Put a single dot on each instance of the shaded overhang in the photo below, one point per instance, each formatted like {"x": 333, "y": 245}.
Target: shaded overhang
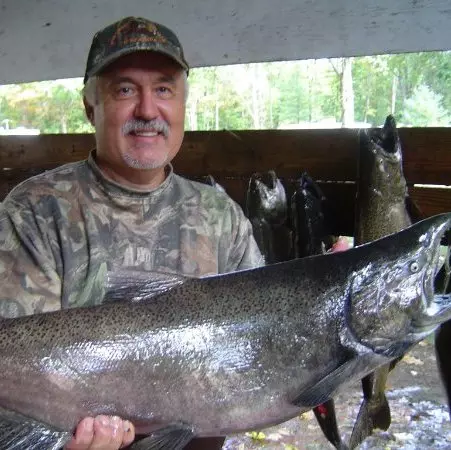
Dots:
{"x": 50, "y": 39}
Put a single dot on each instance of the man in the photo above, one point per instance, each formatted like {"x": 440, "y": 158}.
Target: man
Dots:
{"x": 62, "y": 231}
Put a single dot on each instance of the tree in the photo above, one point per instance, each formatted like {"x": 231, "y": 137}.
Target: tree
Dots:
{"x": 269, "y": 95}
{"x": 424, "y": 109}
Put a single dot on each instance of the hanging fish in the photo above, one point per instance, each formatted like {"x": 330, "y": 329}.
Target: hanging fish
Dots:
{"x": 380, "y": 211}
{"x": 267, "y": 209}
{"x": 307, "y": 212}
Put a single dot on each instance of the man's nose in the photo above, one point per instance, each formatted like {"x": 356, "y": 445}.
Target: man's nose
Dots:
{"x": 146, "y": 108}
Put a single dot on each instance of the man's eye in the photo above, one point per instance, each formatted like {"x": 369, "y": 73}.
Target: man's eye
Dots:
{"x": 124, "y": 91}
{"x": 164, "y": 92}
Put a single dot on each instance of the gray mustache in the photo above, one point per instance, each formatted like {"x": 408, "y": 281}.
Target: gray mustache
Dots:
{"x": 158, "y": 125}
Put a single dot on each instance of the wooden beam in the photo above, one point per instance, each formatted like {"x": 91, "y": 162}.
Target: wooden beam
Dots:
{"x": 340, "y": 197}
{"x": 329, "y": 156}
{"x": 326, "y": 154}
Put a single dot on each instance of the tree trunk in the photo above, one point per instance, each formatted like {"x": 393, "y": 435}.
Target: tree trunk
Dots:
{"x": 347, "y": 94}
{"x": 63, "y": 124}
{"x": 216, "y": 104}
{"x": 393, "y": 93}
{"x": 255, "y": 101}
{"x": 192, "y": 114}
{"x": 271, "y": 119}
{"x": 367, "y": 108}
{"x": 311, "y": 81}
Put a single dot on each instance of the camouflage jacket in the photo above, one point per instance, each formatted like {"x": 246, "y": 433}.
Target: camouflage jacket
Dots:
{"x": 61, "y": 232}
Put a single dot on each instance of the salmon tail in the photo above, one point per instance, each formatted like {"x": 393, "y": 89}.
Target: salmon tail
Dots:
{"x": 19, "y": 432}
{"x": 374, "y": 411}
{"x": 369, "y": 418}
{"x": 379, "y": 408}
{"x": 380, "y": 415}
{"x": 362, "y": 427}
{"x": 327, "y": 420}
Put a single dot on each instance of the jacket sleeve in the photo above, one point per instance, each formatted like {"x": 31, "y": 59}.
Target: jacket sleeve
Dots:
{"x": 28, "y": 279}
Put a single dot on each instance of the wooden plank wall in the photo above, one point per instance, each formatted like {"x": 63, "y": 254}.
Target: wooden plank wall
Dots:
{"x": 329, "y": 156}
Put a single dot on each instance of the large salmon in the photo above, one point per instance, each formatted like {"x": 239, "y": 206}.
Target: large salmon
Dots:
{"x": 183, "y": 357}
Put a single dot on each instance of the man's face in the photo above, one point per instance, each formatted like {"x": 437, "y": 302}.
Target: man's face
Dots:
{"x": 139, "y": 117}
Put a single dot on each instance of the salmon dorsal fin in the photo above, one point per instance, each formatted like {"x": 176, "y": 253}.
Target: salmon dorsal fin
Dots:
{"x": 136, "y": 286}
{"x": 18, "y": 432}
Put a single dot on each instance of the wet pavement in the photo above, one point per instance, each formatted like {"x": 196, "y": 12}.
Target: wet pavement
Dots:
{"x": 420, "y": 418}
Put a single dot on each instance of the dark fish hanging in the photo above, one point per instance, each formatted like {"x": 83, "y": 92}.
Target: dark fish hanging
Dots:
{"x": 267, "y": 209}
{"x": 309, "y": 238}
{"x": 307, "y": 213}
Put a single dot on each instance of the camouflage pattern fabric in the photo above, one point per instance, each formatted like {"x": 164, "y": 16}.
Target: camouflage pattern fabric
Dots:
{"x": 62, "y": 231}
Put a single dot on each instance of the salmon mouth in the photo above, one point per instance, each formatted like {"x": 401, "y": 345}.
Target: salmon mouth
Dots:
{"x": 437, "y": 282}
{"x": 387, "y": 141}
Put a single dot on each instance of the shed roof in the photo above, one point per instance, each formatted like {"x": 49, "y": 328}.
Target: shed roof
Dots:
{"x": 49, "y": 39}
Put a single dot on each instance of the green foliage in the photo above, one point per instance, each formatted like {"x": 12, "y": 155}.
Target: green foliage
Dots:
{"x": 424, "y": 108}
{"x": 257, "y": 435}
{"x": 415, "y": 87}
{"x": 51, "y": 107}
{"x": 372, "y": 89}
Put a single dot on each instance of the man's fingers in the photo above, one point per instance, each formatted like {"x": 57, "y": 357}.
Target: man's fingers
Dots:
{"x": 121, "y": 433}
{"x": 102, "y": 433}
{"x": 116, "y": 424}
{"x": 83, "y": 436}
{"x": 129, "y": 433}
{"x": 341, "y": 245}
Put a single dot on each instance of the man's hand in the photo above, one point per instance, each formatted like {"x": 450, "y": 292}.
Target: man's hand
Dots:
{"x": 102, "y": 433}
{"x": 340, "y": 245}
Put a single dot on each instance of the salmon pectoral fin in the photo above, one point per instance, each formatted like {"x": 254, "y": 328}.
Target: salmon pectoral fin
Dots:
{"x": 19, "y": 432}
{"x": 324, "y": 390}
{"x": 172, "y": 437}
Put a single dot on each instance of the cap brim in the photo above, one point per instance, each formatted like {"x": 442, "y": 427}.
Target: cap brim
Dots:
{"x": 126, "y": 51}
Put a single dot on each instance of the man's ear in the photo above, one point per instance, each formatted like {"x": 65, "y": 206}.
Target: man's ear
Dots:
{"x": 89, "y": 110}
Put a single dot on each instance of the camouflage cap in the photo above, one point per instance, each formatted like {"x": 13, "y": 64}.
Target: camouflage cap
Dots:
{"x": 130, "y": 35}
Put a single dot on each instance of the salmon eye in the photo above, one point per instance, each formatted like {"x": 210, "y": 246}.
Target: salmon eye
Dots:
{"x": 414, "y": 267}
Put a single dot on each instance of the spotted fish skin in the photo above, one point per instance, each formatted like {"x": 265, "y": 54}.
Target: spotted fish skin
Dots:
{"x": 226, "y": 353}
